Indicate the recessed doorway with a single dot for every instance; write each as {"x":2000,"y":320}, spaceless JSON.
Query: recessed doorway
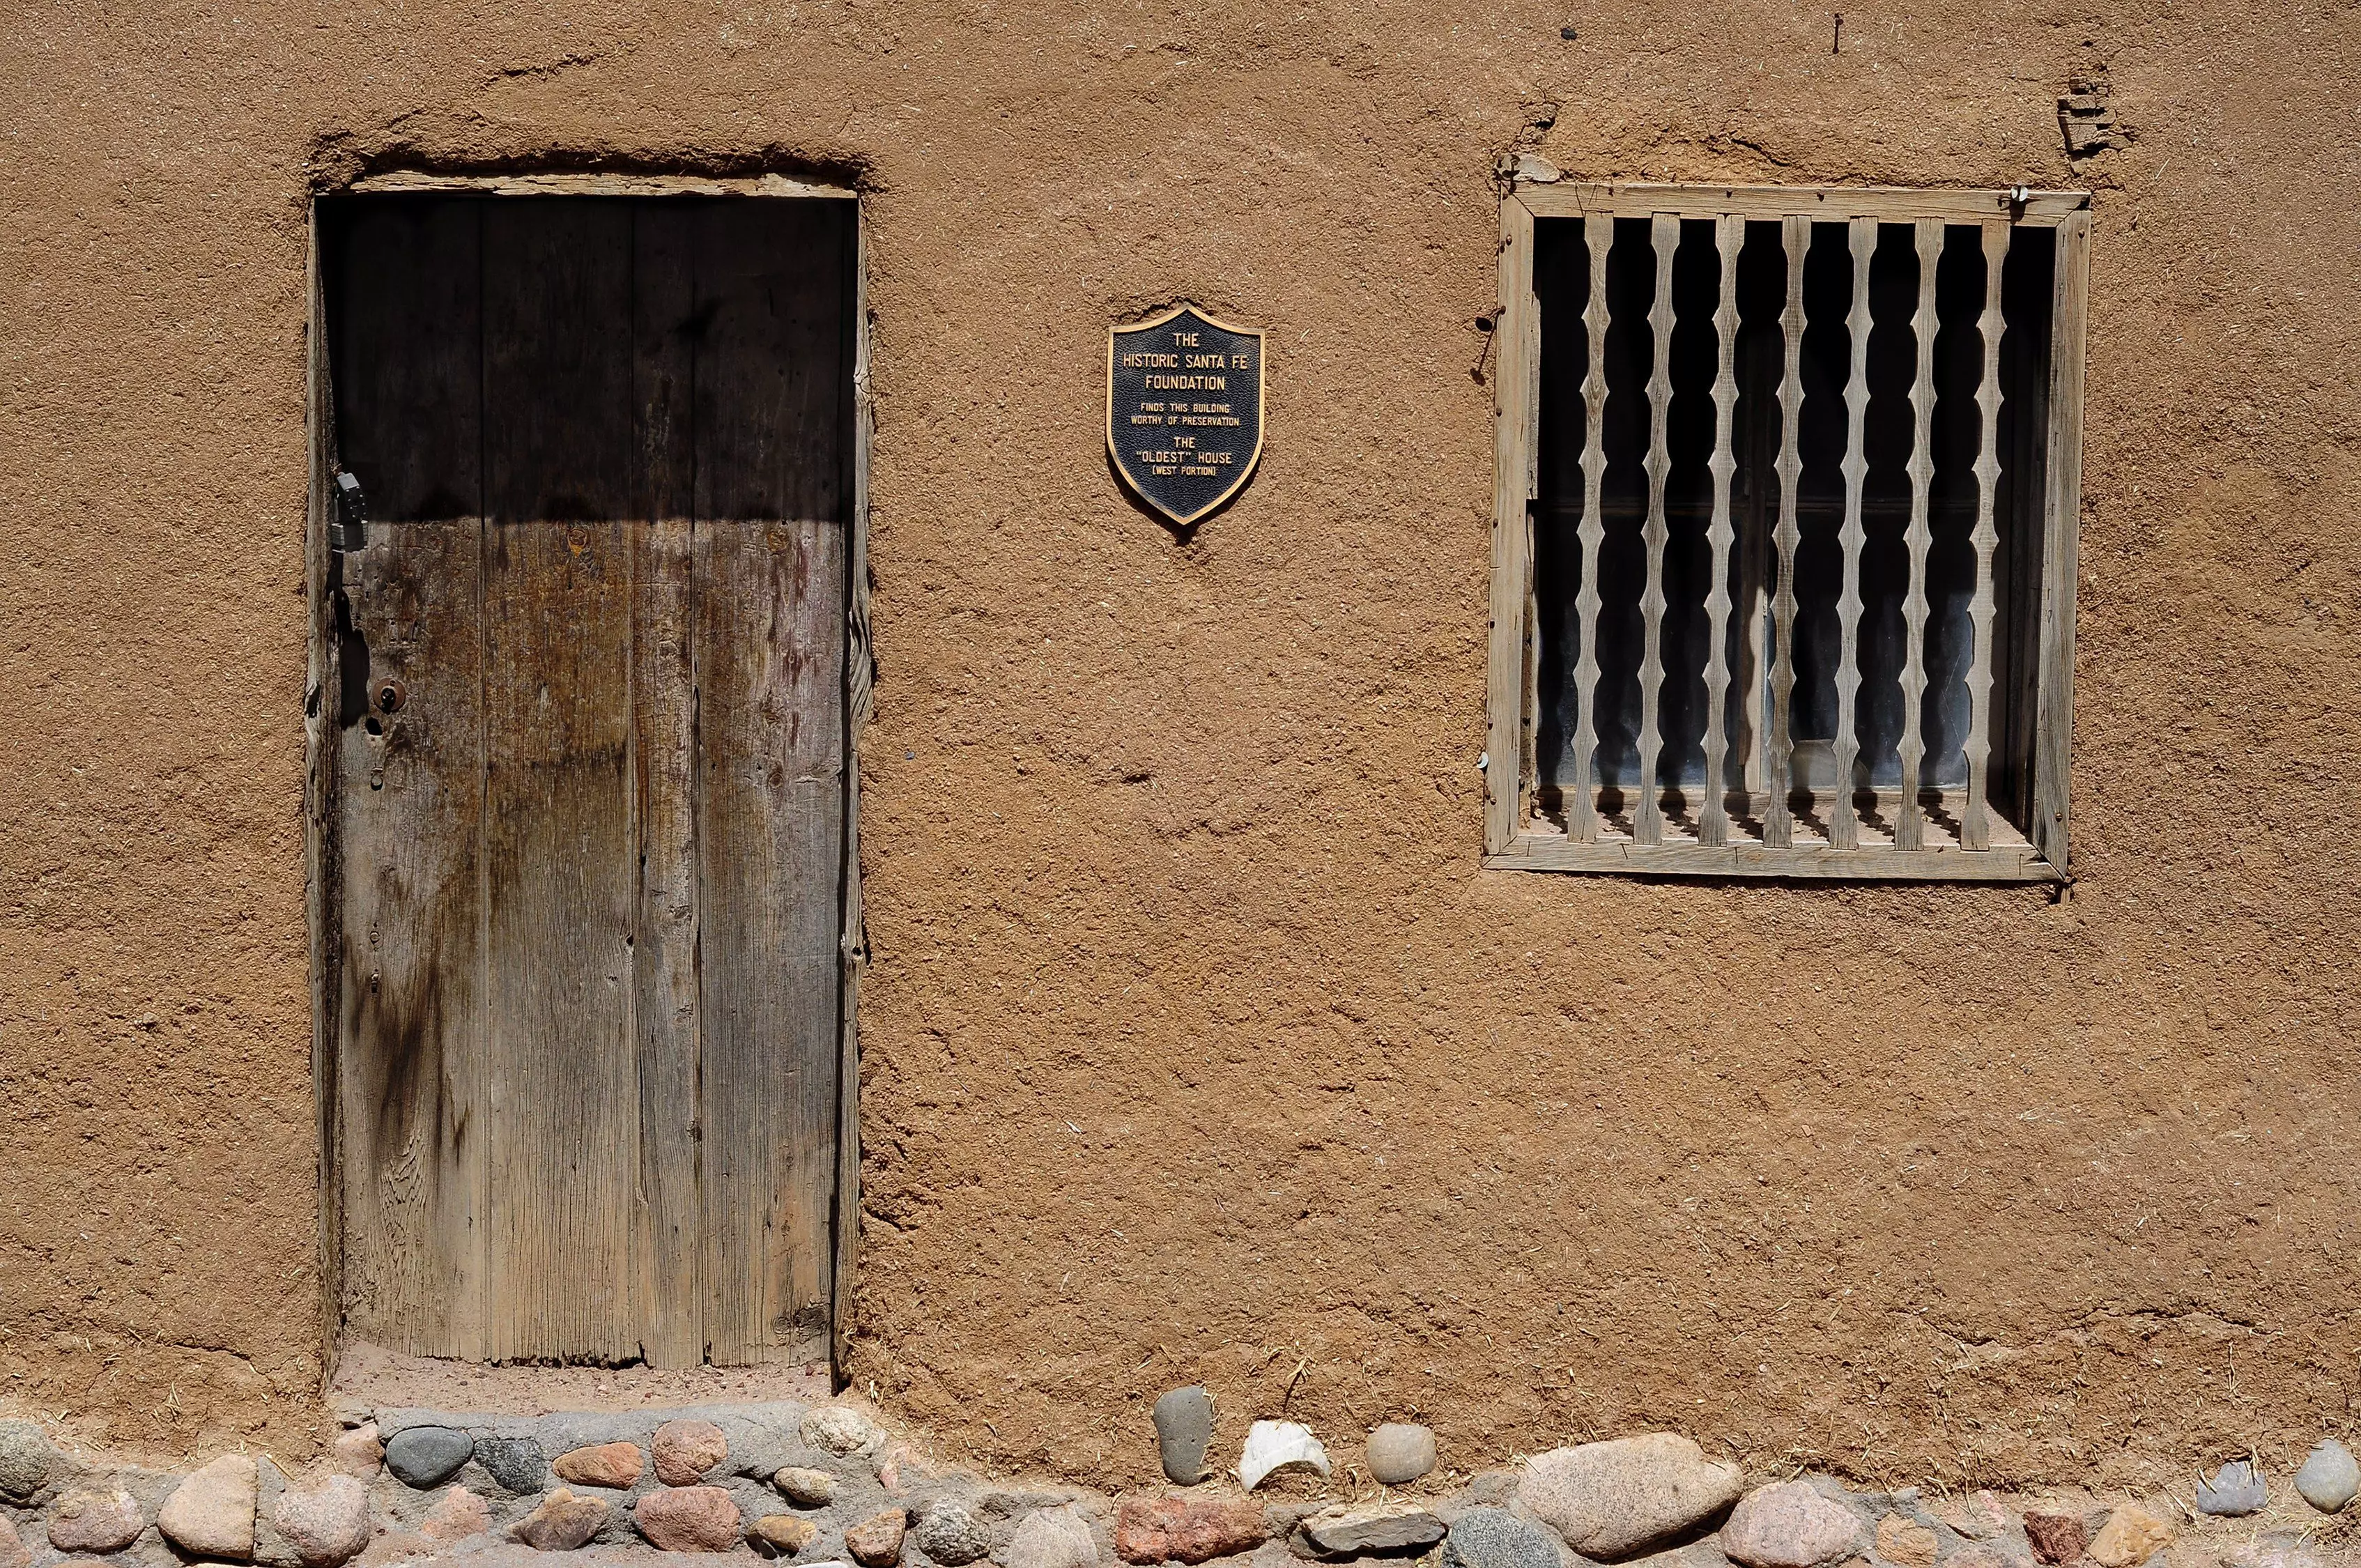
{"x":583,"y":802}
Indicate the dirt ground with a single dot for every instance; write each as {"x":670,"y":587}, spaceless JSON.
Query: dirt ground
{"x":368,"y":1378}
{"x":1199,"y":1045}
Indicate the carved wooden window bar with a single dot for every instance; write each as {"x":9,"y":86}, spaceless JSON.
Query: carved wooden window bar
{"x":1784,"y":571}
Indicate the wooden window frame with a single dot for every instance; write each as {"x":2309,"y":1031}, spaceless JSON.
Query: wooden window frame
{"x":325,"y":677}
{"x":1514,"y":839}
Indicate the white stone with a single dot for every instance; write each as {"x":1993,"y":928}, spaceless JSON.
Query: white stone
{"x":840,"y":1430}
{"x":2274,"y":1552}
{"x":1273,"y":1446}
{"x":951,"y":1534}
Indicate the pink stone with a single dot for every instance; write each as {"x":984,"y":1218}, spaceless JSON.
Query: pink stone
{"x":1906,"y":1542}
{"x":13,"y":1552}
{"x":562,"y":1522}
{"x":876,"y":1542}
{"x":1627,"y":1494}
{"x":689,"y":1519}
{"x":686,"y":1450}
{"x":1185,"y":1529}
{"x":359,"y":1453}
{"x":96,"y":1522}
{"x":211,"y":1513}
{"x":1788,"y":1526}
{"x":327,"y":1524}
{"x":1976,"y":1519}
{"x":612,"y":1465}
{"x":456,"y":1515}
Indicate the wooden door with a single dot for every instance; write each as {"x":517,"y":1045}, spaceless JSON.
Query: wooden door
{"x":590,"y":821}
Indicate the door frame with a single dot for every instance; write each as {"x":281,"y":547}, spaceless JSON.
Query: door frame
{"x":323,"y":681}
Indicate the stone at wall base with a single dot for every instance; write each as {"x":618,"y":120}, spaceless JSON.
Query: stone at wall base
{"x":876,"y":1542}
{"x":614,"y":1465}
{"x":1789,"y":1525}
{"x":561,"y":1522}
{"x":684,"y":1449}
{"x":327,"y":1524}
{"x":1186,"y":1530}
{"x":26,"y":1461}
{"x":1399,"y":1452}
{"x":212,"y":1513}
{"x":782,"y":1533}
{"x":1372,"y":1529}
{"x":98,"y":1521}
{"x":689,"y":1519}
{"x":1053,"y":1537}
{"x":1184,"y":1430}
{"x":1615,"y":1498}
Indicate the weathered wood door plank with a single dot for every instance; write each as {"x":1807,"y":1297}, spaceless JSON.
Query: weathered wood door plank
{"x":772,"y":414}
{"x":668,"y":1217}
{"x":558,"y":849}
{"x":413,"y":1114}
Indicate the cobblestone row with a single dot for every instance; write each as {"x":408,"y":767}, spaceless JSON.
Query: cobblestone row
{"x":828,"y":1487}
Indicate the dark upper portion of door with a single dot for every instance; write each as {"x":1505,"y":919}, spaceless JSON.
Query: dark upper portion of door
{"x":589,"y":836}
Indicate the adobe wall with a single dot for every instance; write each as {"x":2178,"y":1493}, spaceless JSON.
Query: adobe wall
{"x":1199,"y":1045}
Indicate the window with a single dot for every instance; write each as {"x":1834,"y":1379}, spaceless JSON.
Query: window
{"x":1783,"y":567}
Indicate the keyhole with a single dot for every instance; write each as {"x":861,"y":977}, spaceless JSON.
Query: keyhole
{"x":391,"y":697}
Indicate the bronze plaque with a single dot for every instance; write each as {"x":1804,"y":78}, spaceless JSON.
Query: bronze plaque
{"x":1185,"y":410}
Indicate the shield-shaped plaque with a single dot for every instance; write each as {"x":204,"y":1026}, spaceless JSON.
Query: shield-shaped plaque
{"x":1185,"y":410}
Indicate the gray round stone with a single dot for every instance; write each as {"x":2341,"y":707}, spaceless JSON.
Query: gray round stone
{"x":2234,"y":1490}
{"x":516,"y":1463}
{"x":425,"y":1457}
{"x":26,"y":1460}
{"x":2329,"y":1478}
{"x":950,"y":1535}
{"x":1495,"y":1538}
{"x":1184,"y":1430}
{"x":1399,"y":1452}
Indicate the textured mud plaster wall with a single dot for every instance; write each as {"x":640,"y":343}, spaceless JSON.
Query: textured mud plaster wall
{"x":1199,"y":1047}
